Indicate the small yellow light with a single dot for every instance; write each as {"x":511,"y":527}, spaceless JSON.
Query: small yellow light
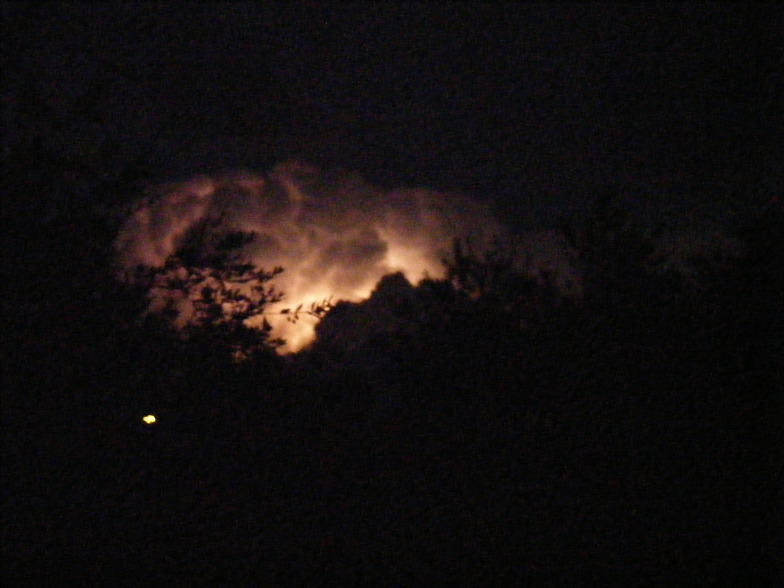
{"x":149,"y":419}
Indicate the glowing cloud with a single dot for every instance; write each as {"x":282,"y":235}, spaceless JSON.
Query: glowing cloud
{"x":334,"y":234}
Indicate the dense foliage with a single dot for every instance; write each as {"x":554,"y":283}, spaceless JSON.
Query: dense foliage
{"x":212,"y":295}
{"x":476,"y":430}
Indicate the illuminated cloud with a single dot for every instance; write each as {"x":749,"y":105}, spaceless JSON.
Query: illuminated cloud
{"x":334,"y":234}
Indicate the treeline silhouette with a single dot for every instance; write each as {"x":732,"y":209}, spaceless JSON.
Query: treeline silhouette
{"x":476,"y":430}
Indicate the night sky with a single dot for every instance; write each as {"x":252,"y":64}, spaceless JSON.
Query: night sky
{"x":534,"y":107}
{"x":499,"y":426}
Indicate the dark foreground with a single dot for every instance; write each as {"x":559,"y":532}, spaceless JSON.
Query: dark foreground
{"x":634,"y":440}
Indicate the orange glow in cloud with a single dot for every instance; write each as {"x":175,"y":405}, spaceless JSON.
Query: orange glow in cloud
{"x":334,"y":234}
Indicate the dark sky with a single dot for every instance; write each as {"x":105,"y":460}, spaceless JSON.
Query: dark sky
{"x":532,"y":106}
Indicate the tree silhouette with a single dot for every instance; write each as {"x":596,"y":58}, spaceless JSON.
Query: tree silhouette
{"x":612,"y":254}
{"x":219,"y":297}
{"x":503,"y":292}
